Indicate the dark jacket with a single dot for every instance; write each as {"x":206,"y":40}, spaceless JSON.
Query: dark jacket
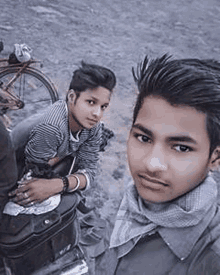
{"x":152,"y":255}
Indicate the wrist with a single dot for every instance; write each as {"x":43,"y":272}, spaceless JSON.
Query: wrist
{"x":66,"y":184}
{"x":58,"y":185}
{"x":74,"y":183}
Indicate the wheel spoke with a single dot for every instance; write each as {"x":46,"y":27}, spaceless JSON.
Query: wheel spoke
{"x":32,"y":88}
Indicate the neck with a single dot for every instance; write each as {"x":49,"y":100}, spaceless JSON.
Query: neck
{"x":74,"y":125}
{"x":154,"y":207}
{"x":73,"y":122}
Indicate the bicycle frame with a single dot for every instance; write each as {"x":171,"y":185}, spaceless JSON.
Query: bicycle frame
{"x":18,"y":83}
{"x":17,"y":101}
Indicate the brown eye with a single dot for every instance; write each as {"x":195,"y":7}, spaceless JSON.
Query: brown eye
{"x":182,"y":148}
{"x":104,"y":107}
{"x":142,"y":138}
{"x":91,"y":102}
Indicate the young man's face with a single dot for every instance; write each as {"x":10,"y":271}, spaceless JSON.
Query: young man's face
{"x":88,"y":108}
{"x":168,"y":150}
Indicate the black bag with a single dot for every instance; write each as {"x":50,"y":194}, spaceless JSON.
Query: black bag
{"x":43,"y":239}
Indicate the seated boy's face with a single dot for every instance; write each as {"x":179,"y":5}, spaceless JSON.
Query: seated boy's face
{"x":168,"y":150}
{"x":89,"y":107}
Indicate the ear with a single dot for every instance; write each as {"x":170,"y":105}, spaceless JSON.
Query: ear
{"x":214,"y":164}
{"x":71,"y":95}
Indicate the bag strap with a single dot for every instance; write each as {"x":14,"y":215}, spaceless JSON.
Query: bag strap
{"x":83,"y":208}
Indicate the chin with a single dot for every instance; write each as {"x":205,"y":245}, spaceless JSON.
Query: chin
{"x":152,"y":196}
{"x":91,"y":126}
{"x":88,"y":127}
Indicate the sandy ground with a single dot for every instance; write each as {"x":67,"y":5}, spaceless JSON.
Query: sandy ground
{"x":115,"y":34}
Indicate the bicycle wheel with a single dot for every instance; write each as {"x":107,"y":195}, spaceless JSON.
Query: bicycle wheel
{"x":33,"y":87}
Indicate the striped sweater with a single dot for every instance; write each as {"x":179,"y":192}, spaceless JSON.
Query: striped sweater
{"x":51,"y":138}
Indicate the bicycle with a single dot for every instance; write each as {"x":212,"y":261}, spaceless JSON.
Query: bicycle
{"x":24,"y":89}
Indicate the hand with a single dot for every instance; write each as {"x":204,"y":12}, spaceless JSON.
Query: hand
{"x":53,"y":161}
{"x":36,"y":190}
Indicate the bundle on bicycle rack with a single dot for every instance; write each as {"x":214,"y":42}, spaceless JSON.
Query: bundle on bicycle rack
{"x":27,"y":89}
{"x":21,"y":53}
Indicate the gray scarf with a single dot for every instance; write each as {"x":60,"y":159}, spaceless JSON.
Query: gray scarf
{"x":137,"y":217}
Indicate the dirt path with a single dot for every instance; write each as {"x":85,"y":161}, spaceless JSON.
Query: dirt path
{"x":116,"y":34}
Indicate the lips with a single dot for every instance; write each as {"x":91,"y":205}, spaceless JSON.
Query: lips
{"x":152,"y":180}
{"x":92,"y":120}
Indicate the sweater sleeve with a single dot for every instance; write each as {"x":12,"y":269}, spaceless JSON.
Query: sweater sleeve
{"x":88,"y":154}
{"x":43,"y":143}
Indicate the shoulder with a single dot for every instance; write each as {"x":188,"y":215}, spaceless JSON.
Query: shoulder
{"x":56,"y":114}
{"x":96,"y":129}
{"x":214,"y":229}
{"x":93,"y":133}
{"x":208,"y":260}
{"x":53,"y":120}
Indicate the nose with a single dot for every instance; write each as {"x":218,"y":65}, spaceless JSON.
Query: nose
{"x":156,"y":163}
{"x":155,"y":160}
{"x":97,"y":112}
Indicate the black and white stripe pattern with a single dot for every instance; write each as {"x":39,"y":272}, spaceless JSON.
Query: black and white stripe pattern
{"x":51,"y":138}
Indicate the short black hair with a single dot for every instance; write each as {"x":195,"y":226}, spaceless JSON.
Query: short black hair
{"x":91,"y":76}
{"x":182,"y":82}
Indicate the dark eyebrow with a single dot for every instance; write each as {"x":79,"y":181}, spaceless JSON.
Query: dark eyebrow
{"x":182,"y":139}
{"x":143,"y":129}
{"x":94,"y":98}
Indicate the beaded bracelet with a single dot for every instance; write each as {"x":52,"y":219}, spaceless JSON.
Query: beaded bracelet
{"x":77,"y":184}
{"x":65,"y":184}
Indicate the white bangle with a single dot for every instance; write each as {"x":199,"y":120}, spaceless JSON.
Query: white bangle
{"x":77,"y":184}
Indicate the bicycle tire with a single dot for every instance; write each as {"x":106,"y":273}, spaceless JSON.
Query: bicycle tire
{"x":38,"y":93}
